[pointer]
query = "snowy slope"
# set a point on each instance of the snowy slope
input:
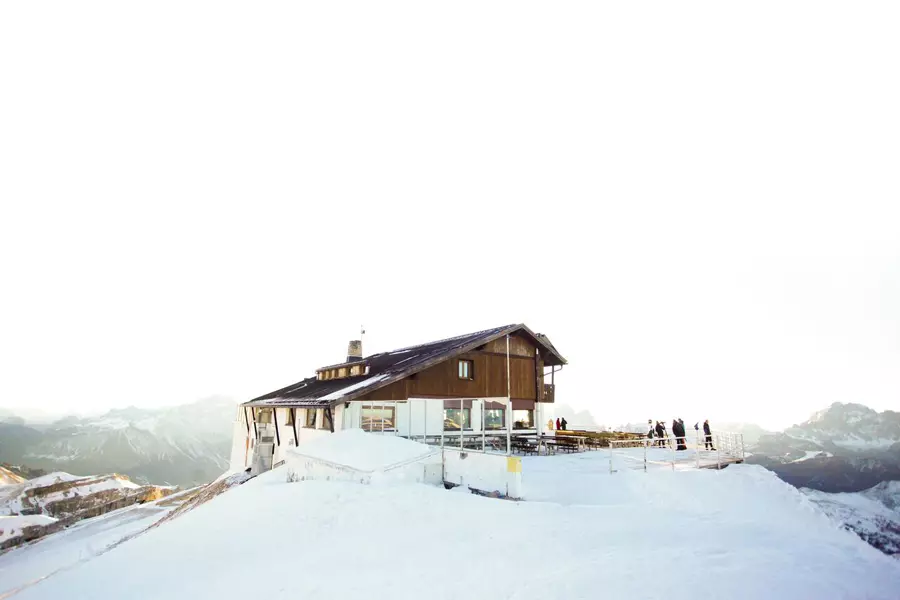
(583, 533)
(26, 564)
(871, 514)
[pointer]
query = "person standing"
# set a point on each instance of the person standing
(549, 424)
(708, 435)
(564, 423)
(683, 434)
(557, 423)
(650, 433)
(661, 434)
(678, 430)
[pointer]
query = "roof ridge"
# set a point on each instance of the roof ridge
(450, 339)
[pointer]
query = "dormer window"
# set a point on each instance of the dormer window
(466, 369)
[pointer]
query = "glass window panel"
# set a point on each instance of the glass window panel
(376, 417)
(494, 418)
(523, 419)
(453, 418)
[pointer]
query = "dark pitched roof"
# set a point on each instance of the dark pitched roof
(388, 367)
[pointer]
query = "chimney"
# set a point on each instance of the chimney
(354, 351)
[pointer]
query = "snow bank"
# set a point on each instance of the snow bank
(51, 478)
(363, 451)
(10, 527)
(739, 534)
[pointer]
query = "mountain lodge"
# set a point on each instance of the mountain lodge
(481, 384)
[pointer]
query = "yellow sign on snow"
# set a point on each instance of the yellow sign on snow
(513, 464)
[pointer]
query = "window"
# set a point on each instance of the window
(263, 415)
(311, 418)
(290, 417)
(326, 419)
(356, 370)
(374, 418)
(466, 369)
(523, 419)
(453, 419)
(494, 418)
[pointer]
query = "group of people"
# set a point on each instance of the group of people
(659, 432)
(561, 424)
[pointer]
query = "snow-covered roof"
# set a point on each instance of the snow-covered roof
(387, 367)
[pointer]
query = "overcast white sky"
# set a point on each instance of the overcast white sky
(699, 204)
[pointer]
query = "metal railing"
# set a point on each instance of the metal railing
(687, 452)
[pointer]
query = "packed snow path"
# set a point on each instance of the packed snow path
(737, 533)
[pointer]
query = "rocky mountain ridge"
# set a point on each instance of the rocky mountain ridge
(183, 445)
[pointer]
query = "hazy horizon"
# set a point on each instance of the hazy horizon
(703, 219)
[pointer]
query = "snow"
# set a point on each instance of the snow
(51, 478)
(582, 533)
(363, 451)
(12, 497)
(27, 564)
(11, 527)
(868, 513)
(813, 454)
(861, 444)
(338, 394)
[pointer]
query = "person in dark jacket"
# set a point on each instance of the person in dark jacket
(678, 430)
(557, 423)
(661, 434)
(650, 433)
(564, 423)
(708, 435)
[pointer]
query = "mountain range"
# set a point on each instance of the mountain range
(183, 445)
(844, 448)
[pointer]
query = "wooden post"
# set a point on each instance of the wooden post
(275, 421)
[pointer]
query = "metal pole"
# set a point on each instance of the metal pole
(673, 453)
(508, 402)
(645, 454)
(610, 457)
(462, 421)
(483, 437)
(394, 420)
(698, 449)
(382, 417)
(718, 458)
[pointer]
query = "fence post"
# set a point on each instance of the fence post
(718, 455)
(610, 457)
(673, 453)
(698, 449)
(645, 454)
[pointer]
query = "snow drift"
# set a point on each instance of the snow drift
(738, 533)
